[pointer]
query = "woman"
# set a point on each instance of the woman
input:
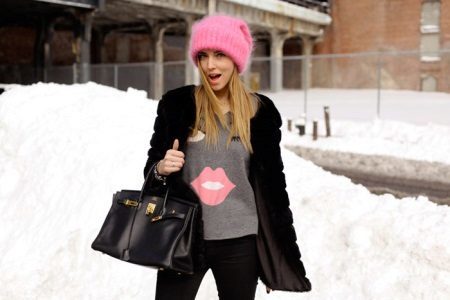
(218, 145)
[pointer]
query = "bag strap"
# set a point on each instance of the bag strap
(163, 210)
(147, 177)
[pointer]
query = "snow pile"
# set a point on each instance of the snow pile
(363, 246)
(65, 149)
(425, 143)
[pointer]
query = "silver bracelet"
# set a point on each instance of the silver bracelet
(158, 176)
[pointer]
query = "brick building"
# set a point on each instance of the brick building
(410, 30)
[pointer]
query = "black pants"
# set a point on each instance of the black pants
(234, 264)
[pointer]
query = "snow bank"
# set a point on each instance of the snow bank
(417, 142)
(65, 149)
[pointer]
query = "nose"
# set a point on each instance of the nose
(210, 63)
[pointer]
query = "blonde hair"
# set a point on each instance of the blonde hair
(243, 106)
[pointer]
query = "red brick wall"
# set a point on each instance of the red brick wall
(16, 45)
(445, 24)
(371, 25)
(379, 25)
(444, 82)
(62, 48)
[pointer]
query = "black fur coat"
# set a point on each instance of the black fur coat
(279, 255)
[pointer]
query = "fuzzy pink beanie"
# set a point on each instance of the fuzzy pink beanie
(227, 34)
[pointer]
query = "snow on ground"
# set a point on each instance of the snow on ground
(65, 149)
(412, 125)
(392, 138)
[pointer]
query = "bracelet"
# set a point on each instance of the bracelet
(158, 176)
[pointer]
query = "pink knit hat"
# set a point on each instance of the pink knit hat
(220, 32)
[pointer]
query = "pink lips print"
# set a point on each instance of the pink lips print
(212, 186)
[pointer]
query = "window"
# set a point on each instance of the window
(430, 31)
(429, 83)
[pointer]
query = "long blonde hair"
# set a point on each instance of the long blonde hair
(243, 106)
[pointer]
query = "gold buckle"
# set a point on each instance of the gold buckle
(156, 218)
(129, 202)
(150, 209)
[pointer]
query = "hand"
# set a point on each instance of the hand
(172, 162)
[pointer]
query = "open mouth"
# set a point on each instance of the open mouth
(214, 77)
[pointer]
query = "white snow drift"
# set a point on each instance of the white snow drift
(65, 149)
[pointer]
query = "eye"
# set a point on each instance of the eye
(220, 54)
(201, 55)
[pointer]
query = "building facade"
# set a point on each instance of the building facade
(53, 35)
(412, 36)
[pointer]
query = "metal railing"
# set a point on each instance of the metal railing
(76, 3)
(364, 86)
(371, 76)
(322, 6)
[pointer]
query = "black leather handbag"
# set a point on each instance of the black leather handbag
(150, 230)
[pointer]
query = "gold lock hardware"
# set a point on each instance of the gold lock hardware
(156, 218)
(129, 202)
(150, 208)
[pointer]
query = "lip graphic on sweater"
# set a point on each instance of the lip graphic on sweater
(212, 186)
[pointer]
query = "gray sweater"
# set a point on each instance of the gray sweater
(219, 176)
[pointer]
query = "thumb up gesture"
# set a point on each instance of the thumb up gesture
(172, 162)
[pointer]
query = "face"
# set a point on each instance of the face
(217, 67)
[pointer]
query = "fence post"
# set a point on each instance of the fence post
(315, 130)
(308, 45)
(378, 83)
(116, 76)
(45, 75)
(301, 125)
(150, 82)
(326, 111)
(74, 73)
(305, 85)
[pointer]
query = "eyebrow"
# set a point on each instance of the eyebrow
(215, 52)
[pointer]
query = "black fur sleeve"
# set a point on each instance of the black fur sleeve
(269, 137)
(158, 140)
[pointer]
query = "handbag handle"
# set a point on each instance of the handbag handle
(163, 210)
